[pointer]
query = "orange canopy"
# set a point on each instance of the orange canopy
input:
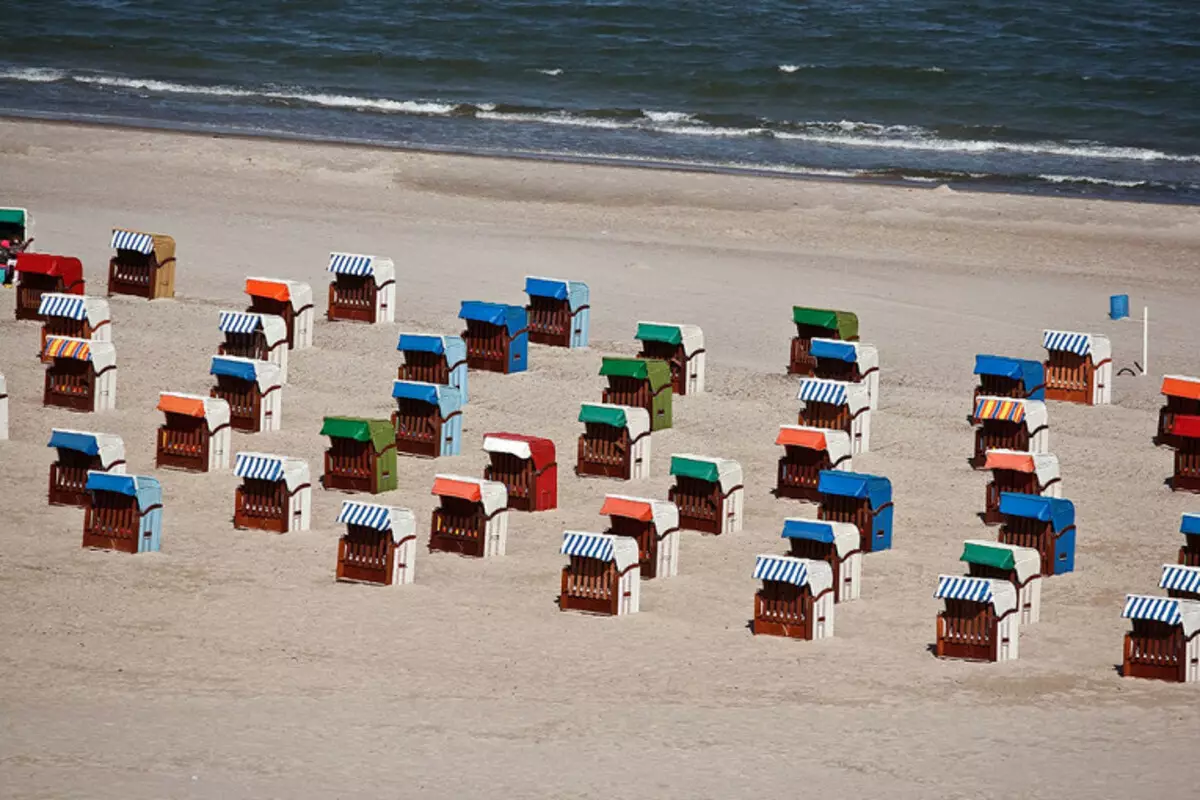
(1019, 462)
(445, 487)
(632, 509)
(811, 440)
(1175, 386)
(174, 404)
(272, 290)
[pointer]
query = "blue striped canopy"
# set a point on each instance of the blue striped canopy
(828, 348)
(351, 264)
(815, 390)
(784, 569)
(1180, 578)
(132, 240)
(84, 443)
(242, 369)
(873, 488)
(239, 322)
(1078, 343)
(421, 343)
(57, 305)
(810, 529)
(978, 590)
(366, 514)
(258, 467)
(1190, 525)
(1159, 609)
(1055, 510)
(588, 545)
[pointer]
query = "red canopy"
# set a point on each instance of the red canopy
(1187, 426)
(542, 450)
(65, 267)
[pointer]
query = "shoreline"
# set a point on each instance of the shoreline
(1001, 185)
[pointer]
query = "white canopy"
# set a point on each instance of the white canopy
(404, 523)
(691, 336)
(637, 421)
(497, 444)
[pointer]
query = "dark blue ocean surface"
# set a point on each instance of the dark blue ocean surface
(1093, 96)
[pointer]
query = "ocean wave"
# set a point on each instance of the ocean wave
(1088, 179)
(788, 69)
(551, 72)
(837, 133)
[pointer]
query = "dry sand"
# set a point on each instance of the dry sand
(231, 664)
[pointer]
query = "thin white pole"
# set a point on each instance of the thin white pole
(1145, 340)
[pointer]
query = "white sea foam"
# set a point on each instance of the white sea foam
(556, 118)
(162, 87)
(708, 130)
(668, 116)
(551, 72)
(33, 75)
(1091, 180)
(790, 68)
(932, 69)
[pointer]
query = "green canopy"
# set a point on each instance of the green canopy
(844, 322)
(653, 370)
(602, 415)
(998, 557)
(12, 216)
(691, 468)
(653, 332)
(379, 432)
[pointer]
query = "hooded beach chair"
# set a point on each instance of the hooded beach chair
(1005, 423)
(195, 435)
(16, 225)
(1000, 376)
(122, 513)
(290, 300)
(1189, 553)
(261, 337)
(850, 362)
(81, 375)
(143, 265)
(471, 518)
(1182, 399)
(526, 466)
(980, 621)
(615, 442)
(559, 314)
(682, 347)
(497, 336)
(363, 289)
(796, 598)
(275, 495)
(642, 383)
(1079, 367)
(709, 493)
(1163, 643)
(1020, 566)
(434, 359)
(39, 274)
(602, 574)
(1023, 473)
(837, 544)
(838, 406)
(361, 456)
(254, 391)
(807, 453)
(818, 323)
(653, 525)
(79, 453)
(863, 500)
(1046, 524)
(379, 545)
(75, 317)
(428, 419)
(1185, 434)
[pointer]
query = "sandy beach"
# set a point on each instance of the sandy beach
(231, 663)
